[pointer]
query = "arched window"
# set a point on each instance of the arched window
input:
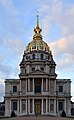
(41, 56)
(34, 46)
(45, 48)
(33, 56)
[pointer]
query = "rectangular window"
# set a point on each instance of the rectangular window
(33, 69)
(61, 105)
(14, 88)
(37, 89)
(42, 68)
(14, 105)
(60, 88)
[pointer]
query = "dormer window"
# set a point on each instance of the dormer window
(25, 70)
(42, 68)
(41, 46)
(34, 46)
(41, 56)
(33, 69)
(48, 57)
(33, 56)
(45, 48)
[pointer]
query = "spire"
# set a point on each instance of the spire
(37, 26)
(37, 30)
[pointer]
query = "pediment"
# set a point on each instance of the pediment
(38, 72)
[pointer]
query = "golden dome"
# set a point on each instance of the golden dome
(37, 43)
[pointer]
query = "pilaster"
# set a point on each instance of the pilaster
(26, 106)
(33, 106)
(46, 105)
(20, 85)
(65, 105)
(33, 84)
(49, 105)
(20, 106)
(10, 106)
(28, 85)
(46, 85)
(42, 107)
(49, 87)
(42, 84)
(55, 106)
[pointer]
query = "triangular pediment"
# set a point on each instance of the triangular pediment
(38, 72)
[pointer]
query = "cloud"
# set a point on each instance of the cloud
(60, 14)
(56, 12)
(1, 57)
(63, 45)
(63, 51)
(12, 45)
(5, 71)
(15, 45)
(72, 91)
(9, 6)
(2, 90)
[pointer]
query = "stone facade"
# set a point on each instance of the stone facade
(37, 91)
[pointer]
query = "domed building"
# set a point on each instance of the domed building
(37, 91)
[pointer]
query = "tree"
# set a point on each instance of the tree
(13, 114)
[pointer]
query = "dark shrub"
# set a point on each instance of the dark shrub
(63, 114)
(13, 114)
(72, 111)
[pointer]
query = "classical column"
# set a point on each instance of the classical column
(46, 85)
(46, 106)
(20, 106)
(26, 106)
(42, 84)
(33, 84)
(28, 85)
(49, 87)
(33, 106)
(42, 107)
(55, 106)
(49, 106)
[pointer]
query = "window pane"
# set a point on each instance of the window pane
(61, 105)
(33, 56)
(37, 89)
(34, 47)
(60, 88)
(42, 68)
(14, 88)
(14, 105)
(41, 56)
(33, 69)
